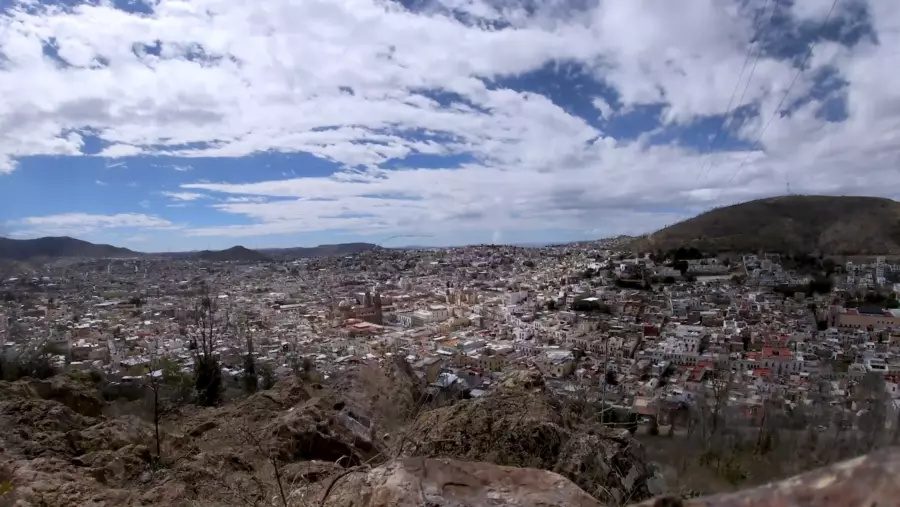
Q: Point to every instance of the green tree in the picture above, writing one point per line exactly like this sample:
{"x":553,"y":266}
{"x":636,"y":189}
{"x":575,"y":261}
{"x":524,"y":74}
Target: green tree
{"x":209,"y":323}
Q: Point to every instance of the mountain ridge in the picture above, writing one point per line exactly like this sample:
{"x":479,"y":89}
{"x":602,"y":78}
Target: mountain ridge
{"x":835,"y":225}
{"x":61,"y":247}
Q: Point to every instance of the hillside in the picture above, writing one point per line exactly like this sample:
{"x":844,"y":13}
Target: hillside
{"x":235,"y":253}
{"x":319,"y":251}
{"x":79,"y":439}
{"x":57,"y":247}
{"x":791,"y":224}
{"x":66,"y":247}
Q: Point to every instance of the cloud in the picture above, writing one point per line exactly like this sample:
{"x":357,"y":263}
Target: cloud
{"x":602,"y":106}
{"x":467,"y":85}
{"x":7,"y":164}
{"x":100,"y":183}
{"x":183,"y":196}
{"x":84,"y":223}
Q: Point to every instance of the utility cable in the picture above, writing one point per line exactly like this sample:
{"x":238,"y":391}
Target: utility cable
{"x":740,"y":101}
{"x":777,"y":110}
{"x":737,"y":85}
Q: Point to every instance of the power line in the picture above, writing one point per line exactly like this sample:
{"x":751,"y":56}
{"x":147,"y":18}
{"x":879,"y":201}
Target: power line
{"x":737,"y":85}
{"x":740,"y":101}
{"x":777,"y":110}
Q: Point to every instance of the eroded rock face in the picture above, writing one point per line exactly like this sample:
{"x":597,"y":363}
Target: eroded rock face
{"x":523,"y":427}
{"x":417,"y":482}
{"x":76,"y":395}
{"x":608,"y":464}
{"x":872,"y":480}
{"x":316,"y":431}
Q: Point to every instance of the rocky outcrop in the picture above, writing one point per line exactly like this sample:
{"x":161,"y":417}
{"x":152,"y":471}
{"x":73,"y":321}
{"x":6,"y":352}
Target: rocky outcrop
{"x":75,"y":394}
{"x":389,"y":396}
{"x":867,"y":481}
{"x":315,"y":430}
{"x":523,"y":427}
{"x":417,"y":482}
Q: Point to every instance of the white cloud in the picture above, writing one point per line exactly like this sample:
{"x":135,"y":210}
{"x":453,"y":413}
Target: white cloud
{"x":86,"y":223}
{"x":603,"y":106}
{"x":101,"y":183}
{"x":345,"y":79}
{"x":121,"y":150}
{"x":183,"y":196}
{"x":7,"y":164}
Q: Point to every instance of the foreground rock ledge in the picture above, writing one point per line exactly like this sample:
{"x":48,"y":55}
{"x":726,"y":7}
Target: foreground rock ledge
{"x":419,"y":482}
{"x":872,"y":480}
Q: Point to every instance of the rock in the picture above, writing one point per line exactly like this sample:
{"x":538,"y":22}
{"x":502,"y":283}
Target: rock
{"x":32,"y":428}
{"x":866,"y":481}
{"x":517,"y":427}
{"x":76,"y":395}
{"x":609,"y":464}
{"x":315,"y":431}
{"x":202,"y":428}
{"x":306,"y":472}
{"x":418,"y":482}
{"x":523,"y":379}
{"x":508,"y":428}
{"x":389,"y":396}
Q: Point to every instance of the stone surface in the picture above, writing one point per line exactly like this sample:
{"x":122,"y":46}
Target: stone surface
{"x":872,"y":480}
{"x":419,"y":482}
{"x":523,"y":427}
{"x":77,"y":395}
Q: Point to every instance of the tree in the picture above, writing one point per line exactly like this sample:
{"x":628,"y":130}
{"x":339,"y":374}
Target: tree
{"x":871,"y":395}
{"x":268,"y":376}
{"x":36,"y":363}
{"x":155,"y":383}
{"x":169,"y":388}
{"x":821,"y":285}
{"x":251,"y":382}
{"x":209,"y":324}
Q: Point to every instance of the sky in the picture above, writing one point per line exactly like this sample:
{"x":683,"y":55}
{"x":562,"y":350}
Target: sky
{"x":163,"y":125}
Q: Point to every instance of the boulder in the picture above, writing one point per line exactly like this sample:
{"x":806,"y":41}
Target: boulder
{"x":418,"y":482}
{"x":75,"y":394}
{"x":523,"y":427}
{"x":315,"y":431}
{"x":866,"y":481}
{"x":609,"y":464}
{"x":389,"y":395}
{"x":509,"y":428}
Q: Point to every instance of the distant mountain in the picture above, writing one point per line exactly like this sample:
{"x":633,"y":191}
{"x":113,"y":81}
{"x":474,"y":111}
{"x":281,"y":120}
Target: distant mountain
{"x":58,"y":247}
{"x":66,"y":247}
{"x":790,"y":224}
{"x":235,"y":253}
{"x":318,"y":251}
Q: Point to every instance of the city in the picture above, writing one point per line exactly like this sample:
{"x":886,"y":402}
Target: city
{"x":660,"y":338}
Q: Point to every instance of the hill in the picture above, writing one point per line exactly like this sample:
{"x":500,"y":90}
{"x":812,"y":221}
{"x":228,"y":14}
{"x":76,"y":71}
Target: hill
{"x":319,"y":251}
{"x":842,"y":225}
{"x":235,"y":253}
{"x":57,"y":247}
{"x":66,"y":247}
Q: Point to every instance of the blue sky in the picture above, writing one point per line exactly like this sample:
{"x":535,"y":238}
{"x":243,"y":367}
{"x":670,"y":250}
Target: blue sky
{"x":176,"y":125}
